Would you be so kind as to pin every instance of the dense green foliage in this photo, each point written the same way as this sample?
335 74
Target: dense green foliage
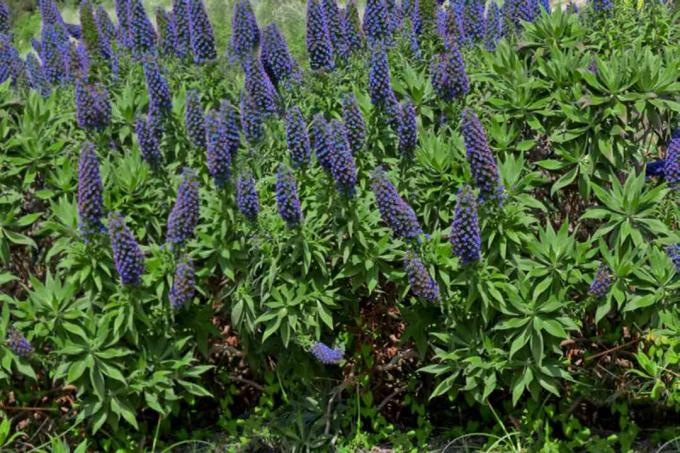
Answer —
517 346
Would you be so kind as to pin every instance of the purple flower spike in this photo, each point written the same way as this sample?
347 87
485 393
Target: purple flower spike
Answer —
449 79
245 37
194 120
482 162
343 168
18 343
142 34
395 212
325 354
247 199
180 12
148 140
185 214
465 237
319 46
218 147
93 106
297 138
201 33
287 200
671 168
377 27
184 284
157 87
408 128
354 123
601 283
90 201
127 255
276 58
422 285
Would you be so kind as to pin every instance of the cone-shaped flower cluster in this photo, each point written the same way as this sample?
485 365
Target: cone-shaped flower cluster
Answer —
673 252
336 29
247 200
494 26
376 24
77 62
18 343
123 15
218 147
655 169
52 55
233 128
90 201
201 33
276 57
259 87
251 119
482 162
354 123
142 34
184 284
379 80
465 237
602 5
36 76
185 214
127 255
326 354
105 25
193 118
449 78
167 33
601 283
245 37
148 140
180 12
321 141
319 46
4 18
157 87
93 106
287 200
297 138
421 283
473 19
528 10
395 212
352 22
11 64
408 128
343 168
671 168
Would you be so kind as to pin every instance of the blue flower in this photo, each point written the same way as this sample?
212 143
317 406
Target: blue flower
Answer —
193 118
449 79
342 166
159 92
252 120
376 24
354 123
297 138
18 343
601 283
395 212
673 252
321 141
185 214
602 6
482 162
148 140
494 26
465 237
408 128
218 147
122 13
180 12
325 354
36 76
473 19
336 29
259 87
671 168
184 284
287 200
127 255
167 33
319 46
93 107
276 57
142 34
247 199
379 79
233 128
245 36
201 33
655 169
352 24
4 19
421 283
90 201
52 49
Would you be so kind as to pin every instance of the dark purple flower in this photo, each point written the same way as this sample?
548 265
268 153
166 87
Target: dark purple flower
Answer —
18 343
465 236
90 201
105 25
11 64
408 128
545 4
411 9
218 147
336 29
379 79
449 78
180 12
354 123
319 46
395 212
422 285
352 23
259 87
393 112
185 214
233 127
184 284
673 252
655 169
167 33
202 37
276 57
245 36
450 25
157 88
528 10
671 168
376 24
287 200
4 18
93 106
252 120
142 34
77 62
602 6
123 15
149 142
194 121
127 255
473 19
494 26
320 141
512 13
325 354
601 283
297 137
36 76
482 162
52 16
343 169
52 55
247 199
